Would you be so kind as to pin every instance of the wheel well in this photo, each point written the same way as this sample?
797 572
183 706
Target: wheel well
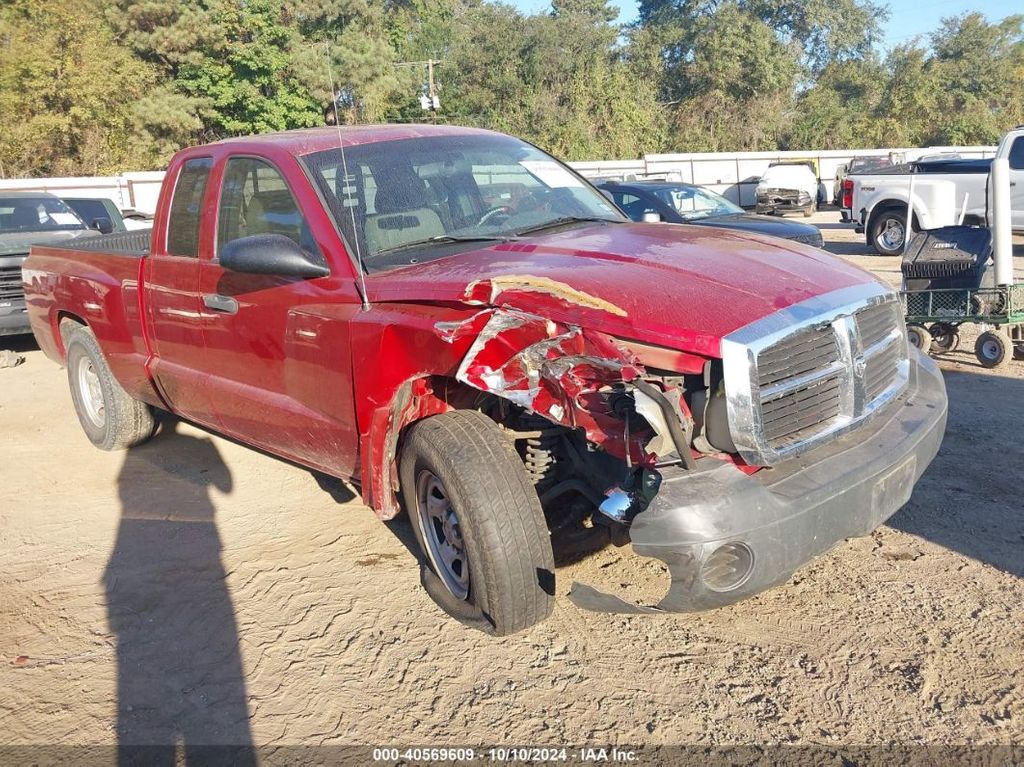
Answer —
885 206
67 323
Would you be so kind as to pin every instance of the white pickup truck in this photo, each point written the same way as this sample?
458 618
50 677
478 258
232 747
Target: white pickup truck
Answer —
944 192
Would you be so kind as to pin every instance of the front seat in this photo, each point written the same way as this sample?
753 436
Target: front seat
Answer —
401 214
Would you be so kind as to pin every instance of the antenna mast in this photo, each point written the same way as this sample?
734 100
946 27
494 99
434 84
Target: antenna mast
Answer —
347 187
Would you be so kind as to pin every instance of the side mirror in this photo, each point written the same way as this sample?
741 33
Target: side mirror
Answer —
270 254
650 217
102 224
608 195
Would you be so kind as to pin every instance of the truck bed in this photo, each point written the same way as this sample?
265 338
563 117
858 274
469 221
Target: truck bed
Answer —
95 282
134 243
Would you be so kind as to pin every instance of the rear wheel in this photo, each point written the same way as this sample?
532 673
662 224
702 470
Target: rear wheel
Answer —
919 337
888 231
110 417
945 337
993 349
478 522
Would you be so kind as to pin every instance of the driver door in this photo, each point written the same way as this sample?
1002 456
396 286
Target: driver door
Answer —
277 347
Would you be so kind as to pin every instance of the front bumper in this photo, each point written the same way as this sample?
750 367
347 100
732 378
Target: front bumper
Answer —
787 515
782 202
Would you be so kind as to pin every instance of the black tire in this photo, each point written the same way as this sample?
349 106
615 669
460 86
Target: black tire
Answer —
993 349
945 337
499 522
919 336
110 417
880 222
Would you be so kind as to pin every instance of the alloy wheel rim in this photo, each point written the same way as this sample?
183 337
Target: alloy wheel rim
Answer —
892 234
442 534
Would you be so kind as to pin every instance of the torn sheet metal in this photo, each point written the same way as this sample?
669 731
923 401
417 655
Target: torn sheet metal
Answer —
559 371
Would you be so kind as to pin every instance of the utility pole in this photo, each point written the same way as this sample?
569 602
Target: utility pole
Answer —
429 100
431 90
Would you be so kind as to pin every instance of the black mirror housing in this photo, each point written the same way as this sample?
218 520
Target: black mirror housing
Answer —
102 224
270 254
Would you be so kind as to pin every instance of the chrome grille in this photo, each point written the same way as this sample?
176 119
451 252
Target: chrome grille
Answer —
789 418
802 352
10 283
813 370
876 322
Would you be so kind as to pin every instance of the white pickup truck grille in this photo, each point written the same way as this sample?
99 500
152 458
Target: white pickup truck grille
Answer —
813 370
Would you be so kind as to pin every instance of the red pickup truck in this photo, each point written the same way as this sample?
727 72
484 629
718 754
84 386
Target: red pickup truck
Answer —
464 328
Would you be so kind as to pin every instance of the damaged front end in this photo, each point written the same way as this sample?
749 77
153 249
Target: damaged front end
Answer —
595 426
812 427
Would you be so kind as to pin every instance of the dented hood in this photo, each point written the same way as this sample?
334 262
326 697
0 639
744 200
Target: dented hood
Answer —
675 285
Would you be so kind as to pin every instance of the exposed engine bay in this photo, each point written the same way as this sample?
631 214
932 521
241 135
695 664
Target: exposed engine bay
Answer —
592 422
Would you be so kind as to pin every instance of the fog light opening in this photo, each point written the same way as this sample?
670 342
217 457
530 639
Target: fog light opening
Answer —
728 567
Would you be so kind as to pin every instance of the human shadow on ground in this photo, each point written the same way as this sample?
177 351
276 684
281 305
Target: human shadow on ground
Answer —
977 473
181 691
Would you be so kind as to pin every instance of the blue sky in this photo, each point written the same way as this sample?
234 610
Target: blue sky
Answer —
906 17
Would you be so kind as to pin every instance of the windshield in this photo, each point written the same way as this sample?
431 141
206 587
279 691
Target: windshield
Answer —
868 164
417 199
36 214
693 202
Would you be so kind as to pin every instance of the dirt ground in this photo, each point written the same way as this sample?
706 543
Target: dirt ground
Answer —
196 591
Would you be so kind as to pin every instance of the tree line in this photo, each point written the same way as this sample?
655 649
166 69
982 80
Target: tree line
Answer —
101 86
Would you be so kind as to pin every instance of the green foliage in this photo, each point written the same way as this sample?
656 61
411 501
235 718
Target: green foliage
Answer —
244 78
69 94
104 87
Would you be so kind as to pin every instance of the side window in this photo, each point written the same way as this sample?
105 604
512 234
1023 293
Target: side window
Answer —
186 206
633 206
1017 153
255 199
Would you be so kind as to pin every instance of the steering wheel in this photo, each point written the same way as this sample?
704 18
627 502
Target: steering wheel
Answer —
501 210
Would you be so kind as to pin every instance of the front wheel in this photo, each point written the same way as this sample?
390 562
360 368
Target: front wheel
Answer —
479 523
110 417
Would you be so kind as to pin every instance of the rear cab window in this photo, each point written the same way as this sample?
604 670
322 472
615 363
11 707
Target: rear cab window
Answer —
186 208
1017 153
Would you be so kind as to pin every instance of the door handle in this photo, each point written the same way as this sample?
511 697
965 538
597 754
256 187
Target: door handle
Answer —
220 303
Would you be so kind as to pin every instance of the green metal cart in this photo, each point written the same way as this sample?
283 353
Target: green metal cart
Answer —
934 318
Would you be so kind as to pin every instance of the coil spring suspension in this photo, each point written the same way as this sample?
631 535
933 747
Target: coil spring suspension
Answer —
540 454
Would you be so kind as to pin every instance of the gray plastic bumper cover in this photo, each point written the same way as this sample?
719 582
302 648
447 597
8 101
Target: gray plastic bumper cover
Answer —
778 519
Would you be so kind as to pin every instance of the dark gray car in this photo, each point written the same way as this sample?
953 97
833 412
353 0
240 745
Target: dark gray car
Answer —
27 219
679 203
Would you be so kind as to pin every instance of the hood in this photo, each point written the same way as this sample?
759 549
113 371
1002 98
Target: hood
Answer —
18 243
770 225
684 287
789 177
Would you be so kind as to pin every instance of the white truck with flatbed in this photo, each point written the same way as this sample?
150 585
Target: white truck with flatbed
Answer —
945 192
